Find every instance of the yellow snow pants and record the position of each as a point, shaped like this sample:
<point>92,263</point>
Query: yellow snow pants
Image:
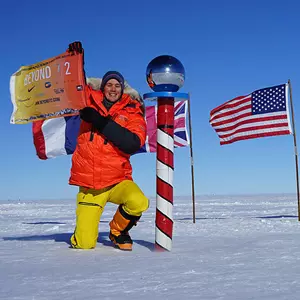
<point>91,203</point>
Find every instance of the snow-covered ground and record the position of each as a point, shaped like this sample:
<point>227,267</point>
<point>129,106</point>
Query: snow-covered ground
<point>241,247</point>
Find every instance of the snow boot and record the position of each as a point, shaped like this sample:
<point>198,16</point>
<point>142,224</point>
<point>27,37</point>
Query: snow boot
<point>119,227</point>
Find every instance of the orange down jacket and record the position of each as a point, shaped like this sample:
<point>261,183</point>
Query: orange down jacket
<point>98,163</point>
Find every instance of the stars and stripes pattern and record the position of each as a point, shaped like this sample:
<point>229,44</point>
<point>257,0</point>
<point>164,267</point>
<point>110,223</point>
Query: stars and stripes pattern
<point>262,113</point>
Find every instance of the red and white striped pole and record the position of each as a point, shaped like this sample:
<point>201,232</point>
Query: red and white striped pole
<point>165,76</point>
<point>164,174</point>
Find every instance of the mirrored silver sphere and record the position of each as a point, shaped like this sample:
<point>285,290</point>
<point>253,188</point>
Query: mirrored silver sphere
<point>165,73</point>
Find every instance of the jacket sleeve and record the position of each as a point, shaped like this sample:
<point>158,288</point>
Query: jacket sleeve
<point>128,139</point>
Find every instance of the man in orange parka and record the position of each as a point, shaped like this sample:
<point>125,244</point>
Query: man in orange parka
<point>112,128</point>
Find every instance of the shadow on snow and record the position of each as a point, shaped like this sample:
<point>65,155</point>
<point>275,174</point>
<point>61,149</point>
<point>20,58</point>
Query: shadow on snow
<point>43,223</point>
<point>65,238</point>
<point>277,217</point>
<point>224,218</point>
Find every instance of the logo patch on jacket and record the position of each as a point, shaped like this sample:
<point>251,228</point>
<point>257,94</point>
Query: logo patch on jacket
<point>123,118</point>
<point>143,128</point>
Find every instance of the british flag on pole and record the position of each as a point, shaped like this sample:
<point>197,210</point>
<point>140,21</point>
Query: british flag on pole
<point>181,137</point>
<point>262,113</point>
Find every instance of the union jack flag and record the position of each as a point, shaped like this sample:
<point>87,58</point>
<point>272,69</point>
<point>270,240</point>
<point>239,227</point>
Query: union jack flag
<point>181,137</point>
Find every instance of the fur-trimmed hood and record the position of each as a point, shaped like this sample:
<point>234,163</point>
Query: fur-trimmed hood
<point>95,83</point>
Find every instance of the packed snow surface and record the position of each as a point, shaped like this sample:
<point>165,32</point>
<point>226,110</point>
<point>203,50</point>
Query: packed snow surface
<point>240,247</point>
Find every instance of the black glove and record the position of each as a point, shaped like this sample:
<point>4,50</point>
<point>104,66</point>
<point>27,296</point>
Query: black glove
<point>90,115</point>
<point>76,47</point>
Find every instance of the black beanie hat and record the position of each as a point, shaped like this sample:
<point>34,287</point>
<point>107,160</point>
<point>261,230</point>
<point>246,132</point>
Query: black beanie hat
<point>112,75</point>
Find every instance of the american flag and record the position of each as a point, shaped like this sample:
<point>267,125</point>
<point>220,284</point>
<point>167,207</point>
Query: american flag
<point>262,113</point>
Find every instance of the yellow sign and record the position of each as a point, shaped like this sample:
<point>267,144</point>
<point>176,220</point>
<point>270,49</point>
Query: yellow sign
<point>48,89</point>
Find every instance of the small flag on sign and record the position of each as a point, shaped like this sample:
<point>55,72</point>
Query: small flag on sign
<point>262,113</point>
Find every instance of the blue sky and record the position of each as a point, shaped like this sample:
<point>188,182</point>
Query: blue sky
<point>228,48</point>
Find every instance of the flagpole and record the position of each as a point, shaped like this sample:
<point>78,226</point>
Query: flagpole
<point>295,147</point>
<point>192,158</point>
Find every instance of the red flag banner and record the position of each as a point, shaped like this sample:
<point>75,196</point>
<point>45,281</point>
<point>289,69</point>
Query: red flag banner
<point>48,89</point>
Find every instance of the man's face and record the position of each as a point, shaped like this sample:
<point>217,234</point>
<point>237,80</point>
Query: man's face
<point>112,90</point>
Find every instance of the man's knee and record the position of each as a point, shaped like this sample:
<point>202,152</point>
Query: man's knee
<point>128,194</point>
<point>83,241</point>
<point>136,204</point>
<point>87,222</point>
<point>144,204</point>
